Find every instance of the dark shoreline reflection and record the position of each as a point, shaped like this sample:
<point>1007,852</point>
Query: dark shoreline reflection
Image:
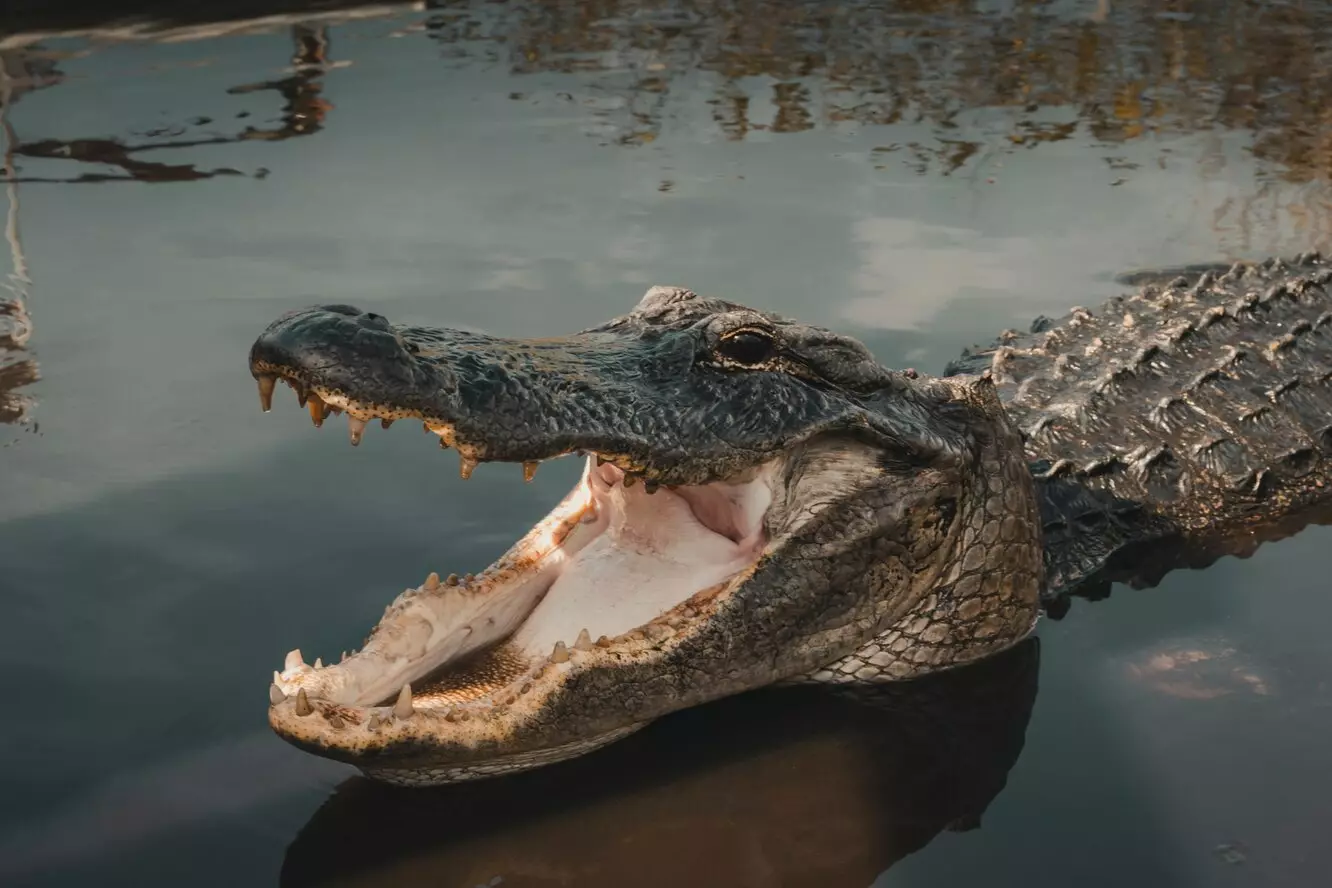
<point>786,786</point>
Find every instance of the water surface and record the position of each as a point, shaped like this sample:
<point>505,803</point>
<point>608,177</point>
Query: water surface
<point>921,174</point>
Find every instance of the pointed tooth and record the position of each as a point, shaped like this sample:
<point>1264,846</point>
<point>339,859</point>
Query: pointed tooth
<point>303,706</point>
<point>344,657</point>
<point>385,423</point>
<point>335,720</point>
<point>275,695</point>
<point>651,486</point>
<point>335,409</point>
<point>451,580</point>
<point>630,480</point>
<point>432,582</point>
<point>318,410</point>
<point>267,382</point>
<point>603,642</point>
<point>530,469</point>
<point>277,677</point>
<point>294,660</point>
<point>299,388</point>
<point>560,654</point>
<point>601,460</point>
<point>356,427</point>
<point>319,664</point>
<point>373,723</point>
<point>403,707</point>
<point>466,466</point>
<point>584,642</point>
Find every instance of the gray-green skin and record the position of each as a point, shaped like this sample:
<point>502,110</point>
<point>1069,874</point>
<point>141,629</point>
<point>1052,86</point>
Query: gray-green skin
<point>1189,414</point>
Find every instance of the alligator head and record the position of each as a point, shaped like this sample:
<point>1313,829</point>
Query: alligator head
<point>760,499</point>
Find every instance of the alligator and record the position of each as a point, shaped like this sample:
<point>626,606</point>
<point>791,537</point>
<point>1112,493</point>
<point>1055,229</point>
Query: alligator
<point>762,502</point>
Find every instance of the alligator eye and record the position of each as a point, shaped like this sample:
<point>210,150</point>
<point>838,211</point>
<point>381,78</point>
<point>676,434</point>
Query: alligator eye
<point>746,347</point>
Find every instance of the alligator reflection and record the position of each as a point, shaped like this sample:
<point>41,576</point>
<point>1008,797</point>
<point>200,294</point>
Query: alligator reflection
<point>797,786</point>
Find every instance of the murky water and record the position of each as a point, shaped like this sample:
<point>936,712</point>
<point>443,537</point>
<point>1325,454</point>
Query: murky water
<point>922,174</point>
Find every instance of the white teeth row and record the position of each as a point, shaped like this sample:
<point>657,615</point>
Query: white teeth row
<point>403,707</point>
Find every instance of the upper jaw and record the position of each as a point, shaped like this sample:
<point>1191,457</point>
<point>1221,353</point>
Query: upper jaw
<point>525,401</point>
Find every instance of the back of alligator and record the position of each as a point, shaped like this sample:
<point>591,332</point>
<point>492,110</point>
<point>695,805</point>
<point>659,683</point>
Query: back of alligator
<point>1181,422</point>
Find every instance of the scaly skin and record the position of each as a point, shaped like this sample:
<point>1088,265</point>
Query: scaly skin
<point>917,524</point>
<point>1175,423</point>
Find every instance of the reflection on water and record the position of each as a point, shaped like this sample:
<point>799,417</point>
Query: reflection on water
<point>17,76</point>
<point>793,787</point>
<point>865,164</point>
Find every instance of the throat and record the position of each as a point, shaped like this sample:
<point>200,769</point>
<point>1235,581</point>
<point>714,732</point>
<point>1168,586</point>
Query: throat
<point>653,552</point>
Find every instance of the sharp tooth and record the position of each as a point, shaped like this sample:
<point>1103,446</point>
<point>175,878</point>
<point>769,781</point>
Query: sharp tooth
<point>603,642</point>
<point>356,427</point>
<point>372,724</point>
<point>451,715</point>
<point>560,654</point>
<point>630,480</point>
<point>530,469</point>
<point>451,580</point>
<point>466,466</point>
<point>403,708</point>
<point>335,409</point>
<point>334,720</point>
<point>425,427</point>
<point>277,677</point>
<point>303,706</point>
<point>385,423</point>
<point>432,582</point>
<point>344,657</point>
<point>318,410</point>
<point>266,384</point>
<point>584,642</point>
<point>294,660</point>
<point>275,695</point>
<point>299,387</point>
<point>319,664</point>
<point>651,486</point>
<point>601,460</point>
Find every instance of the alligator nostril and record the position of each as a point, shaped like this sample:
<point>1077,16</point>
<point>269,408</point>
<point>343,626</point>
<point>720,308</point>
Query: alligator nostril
<point>374,321</point>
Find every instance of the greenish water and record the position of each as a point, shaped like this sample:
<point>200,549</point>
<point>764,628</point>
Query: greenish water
<point>921,174</point>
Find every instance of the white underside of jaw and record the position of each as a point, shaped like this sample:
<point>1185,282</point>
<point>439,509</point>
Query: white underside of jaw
<point>608,559</point>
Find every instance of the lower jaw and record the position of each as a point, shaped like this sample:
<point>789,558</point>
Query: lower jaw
<point>487,694</point>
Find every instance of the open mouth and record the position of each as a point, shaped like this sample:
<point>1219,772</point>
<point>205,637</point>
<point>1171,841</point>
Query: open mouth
<point>620,566</point>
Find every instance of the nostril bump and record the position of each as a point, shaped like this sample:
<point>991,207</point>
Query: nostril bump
<point>374,321</point>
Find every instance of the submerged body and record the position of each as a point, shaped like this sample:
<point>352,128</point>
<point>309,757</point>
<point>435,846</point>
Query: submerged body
<point>762,502</point>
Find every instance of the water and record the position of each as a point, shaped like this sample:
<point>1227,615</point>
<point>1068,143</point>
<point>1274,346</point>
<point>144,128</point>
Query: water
<point>919,174</point>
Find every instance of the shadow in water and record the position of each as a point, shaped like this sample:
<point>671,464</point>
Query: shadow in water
<point>791,786</point>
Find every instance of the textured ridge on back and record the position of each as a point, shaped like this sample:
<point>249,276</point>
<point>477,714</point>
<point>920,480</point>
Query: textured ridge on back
<point>1190,410</point>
